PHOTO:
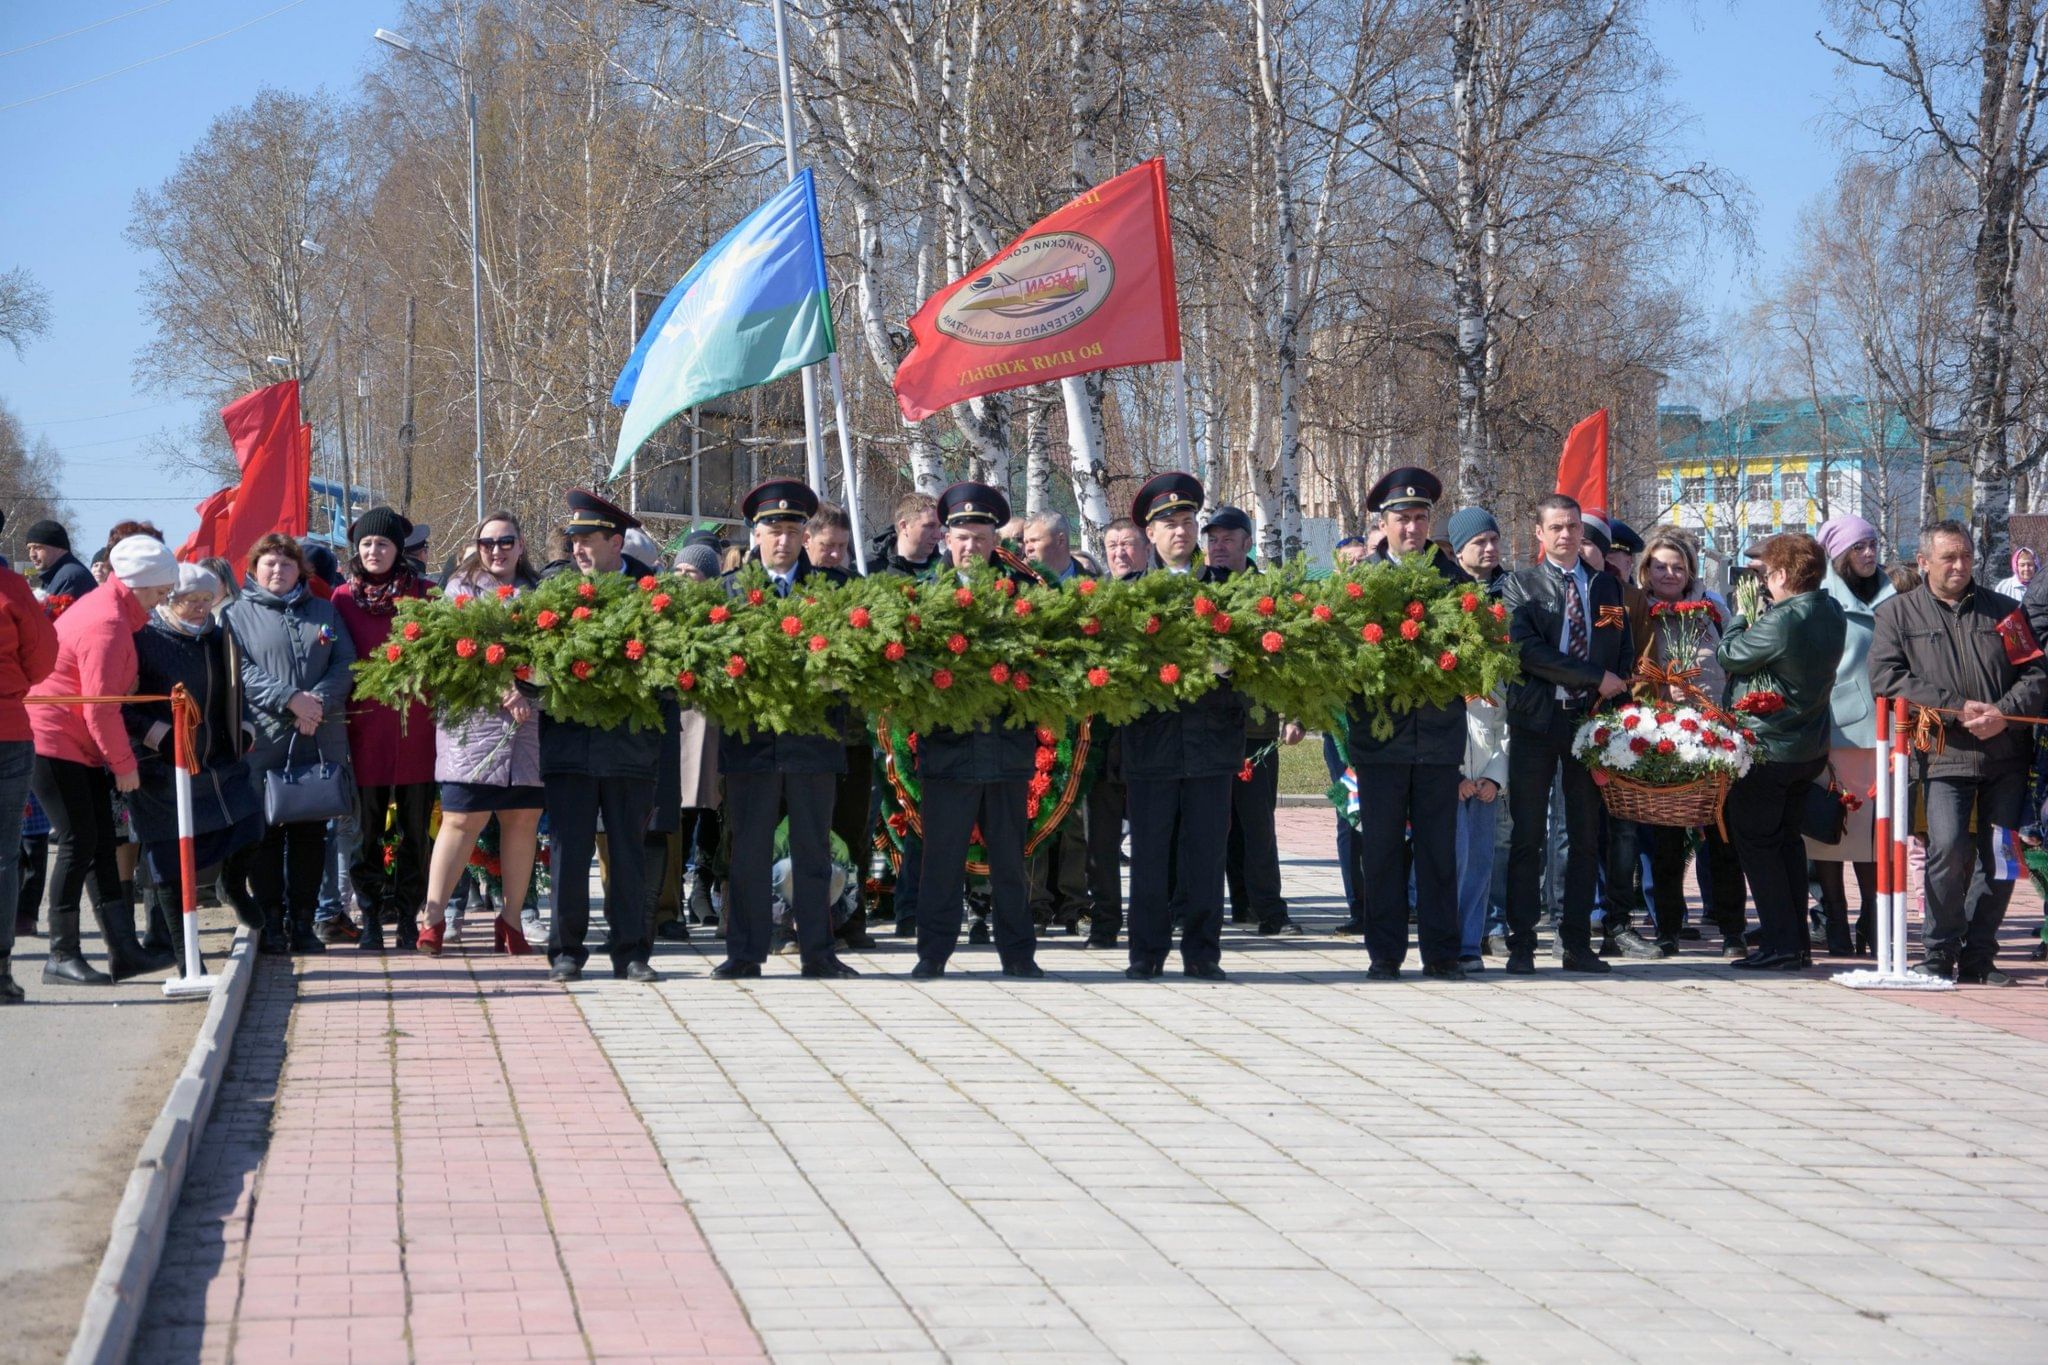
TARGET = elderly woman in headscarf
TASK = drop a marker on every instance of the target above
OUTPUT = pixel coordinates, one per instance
(2025, 563)
(184, 645)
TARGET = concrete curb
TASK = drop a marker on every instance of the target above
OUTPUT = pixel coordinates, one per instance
(113, 1307)
(1305, 799)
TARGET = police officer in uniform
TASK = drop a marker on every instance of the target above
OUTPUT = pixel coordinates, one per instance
(771, 774)
(976, 777)
(588, 772)
(1412, 775)
(1178, 766)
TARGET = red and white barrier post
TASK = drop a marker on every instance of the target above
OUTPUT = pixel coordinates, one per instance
(194, 982)
(1893, 826)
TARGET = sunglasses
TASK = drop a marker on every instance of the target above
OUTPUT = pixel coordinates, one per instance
(496, 542)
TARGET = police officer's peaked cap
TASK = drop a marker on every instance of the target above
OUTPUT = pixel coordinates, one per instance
(1163, 493)
(779, 500)
(588, 512)
(1408, 486)
(1624, 537)
(965, 504)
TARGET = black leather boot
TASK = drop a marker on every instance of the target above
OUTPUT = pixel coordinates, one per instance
(126, 956)
(304, 938)
(167, 923)
(66, 964)
(10, 993)
(276, 941)
(154, 939)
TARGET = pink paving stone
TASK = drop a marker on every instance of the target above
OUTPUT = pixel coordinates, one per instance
(415, 1198)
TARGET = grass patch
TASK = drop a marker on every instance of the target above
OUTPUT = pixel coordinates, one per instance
(1301, 768)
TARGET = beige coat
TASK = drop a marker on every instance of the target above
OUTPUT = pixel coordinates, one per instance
(700, 762)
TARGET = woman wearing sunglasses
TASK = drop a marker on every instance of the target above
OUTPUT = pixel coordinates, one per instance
(488, 763)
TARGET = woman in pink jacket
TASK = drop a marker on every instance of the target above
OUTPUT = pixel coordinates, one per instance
(83, 758)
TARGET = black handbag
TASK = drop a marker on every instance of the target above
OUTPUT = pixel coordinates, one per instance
(318, 791)
(1823, 818)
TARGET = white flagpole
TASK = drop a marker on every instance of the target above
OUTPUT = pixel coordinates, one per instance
(1180, 417)
(814, 451)
(860, 549)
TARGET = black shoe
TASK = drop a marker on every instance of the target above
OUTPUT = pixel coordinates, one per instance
(1443, 971)
(1204, 971)
(857, 940)
(730, 970)
(371, 940)
(1494, 945)
(906, 928)
(1763, 960)
(1101, 941)
(1285, 928)
(1579, 960)
(1988, 976)
(1144, 971)
(1521, 964)
(1240, 916)
(977, 932)
(1350, 927)
(73, 971)
(1689, 934)
(927, 969)
(340, 929)
(275, 944)
(11, 992)
(1381, 972)
(829, 966)
(306, 943)
(565, 971)
(673, 931)
(2038, 953)
(636, 971)
(1632, 944)
(1024, 969)
(1935, 967)
(1735, 948)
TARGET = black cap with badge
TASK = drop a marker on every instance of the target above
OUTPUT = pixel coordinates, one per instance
(968, 504)
(1408, 486)
(589, 513)
(778, 500)
(1164, 493)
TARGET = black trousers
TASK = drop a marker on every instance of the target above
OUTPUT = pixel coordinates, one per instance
(574, 802)
(1106, 800)
(1059, 870)
(1763, 812)
(1721, 888)
(284, 869)
(403, 887)
(754, 806)
(1252, 861)
(853, 807)
(79, 800)
(1180, 832)
(1621, 892)
(1535, 758)
(1965, 903)
(951, 810)
(1397, 799)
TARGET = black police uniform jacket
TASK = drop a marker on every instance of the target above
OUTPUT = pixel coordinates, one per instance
(1203, 738)
(996, 752)
(571, 748)
(1427, 734)
(1535, 601)
(765, 751)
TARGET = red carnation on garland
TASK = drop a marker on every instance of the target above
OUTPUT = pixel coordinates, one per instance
(1045, 734)
(494, 655)
(1091, 626)
(462, 599)
(1639, 745)
(686, 680)
(1321, 612)
(1272, 642)
(1203, 606)
(1267, 606)
(754, 597)
(1354, 590)
(1665, 717)
(1220, 623)
(957, 643)
(719, 615)
(1665, 746)
(505, 590)
(659, 601)
(1469, 602)
(1086, 587)
(1022, 682)
(1098, 677)
(1631, 721)
(524, 673)
(586, 590)
(580, 670)
(893, 651)
(393, 653)
(1023, 607)
(1040, 785)
(999, 674)
(411, 631)
(635, 650)
(858, 618)
(735, 666)
(1689, 725)
(912, 621)
(580, 614)
(1169, 674)
(1006, 587)
(791, 625)
(1297, 597)
(647, 583)
(1602, 735)
(1371, 633)
(942, 679)
(963, 597)
(1410, 629)
(1416, 610)
(1447, 661)
(465, 648)
(819, 644)
(1499, 610)
(1151, 625)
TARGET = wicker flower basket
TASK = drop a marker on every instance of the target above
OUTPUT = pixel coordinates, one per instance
(1685, 805)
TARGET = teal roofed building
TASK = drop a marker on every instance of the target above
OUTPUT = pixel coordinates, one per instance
(1790, 464)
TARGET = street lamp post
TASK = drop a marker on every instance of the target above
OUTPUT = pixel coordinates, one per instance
(476, 293)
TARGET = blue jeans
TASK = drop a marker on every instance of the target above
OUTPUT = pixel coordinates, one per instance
(17, 757)
(338, 852)
(1476, 822)
(1347, 836)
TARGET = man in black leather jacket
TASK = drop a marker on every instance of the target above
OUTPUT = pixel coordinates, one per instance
(1576, 652)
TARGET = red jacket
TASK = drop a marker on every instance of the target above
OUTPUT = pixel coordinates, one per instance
(28, 651)
(382, 753)
(95, 658)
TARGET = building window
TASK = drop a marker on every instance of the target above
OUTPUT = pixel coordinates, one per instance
(1692, 490)
(1795, 488)
(1724, 488)
(1759, 487)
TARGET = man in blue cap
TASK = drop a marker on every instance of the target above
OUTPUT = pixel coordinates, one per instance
(1178, 767)
(768, 775)
(976, 777)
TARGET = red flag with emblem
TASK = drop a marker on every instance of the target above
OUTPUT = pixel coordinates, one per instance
(1582, 467)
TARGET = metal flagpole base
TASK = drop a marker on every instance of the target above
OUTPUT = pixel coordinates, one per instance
(190, 987)
(1870, 979)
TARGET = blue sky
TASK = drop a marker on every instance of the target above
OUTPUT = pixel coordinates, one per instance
(1754, 79)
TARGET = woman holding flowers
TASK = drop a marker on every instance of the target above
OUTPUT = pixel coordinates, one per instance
(1678, 668)
(488, 762)
(1781, 668)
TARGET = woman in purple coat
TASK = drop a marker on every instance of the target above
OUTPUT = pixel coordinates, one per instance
(390, 754)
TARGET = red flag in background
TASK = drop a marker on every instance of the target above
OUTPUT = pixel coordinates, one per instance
(275, 451)
(1088, 287)
(1582, 468)
(213, 515)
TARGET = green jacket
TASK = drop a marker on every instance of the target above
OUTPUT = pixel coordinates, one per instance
(1799, 643)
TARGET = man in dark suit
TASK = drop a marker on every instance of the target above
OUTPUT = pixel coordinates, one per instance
(588, 772)
(1409, 780)
(976, 777)
(769, 774)
(1178, 767)
(1572, 629)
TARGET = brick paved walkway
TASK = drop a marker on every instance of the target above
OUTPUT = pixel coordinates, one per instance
(1667, 1164)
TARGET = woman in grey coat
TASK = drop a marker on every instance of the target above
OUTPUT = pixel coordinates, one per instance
(295, 657)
